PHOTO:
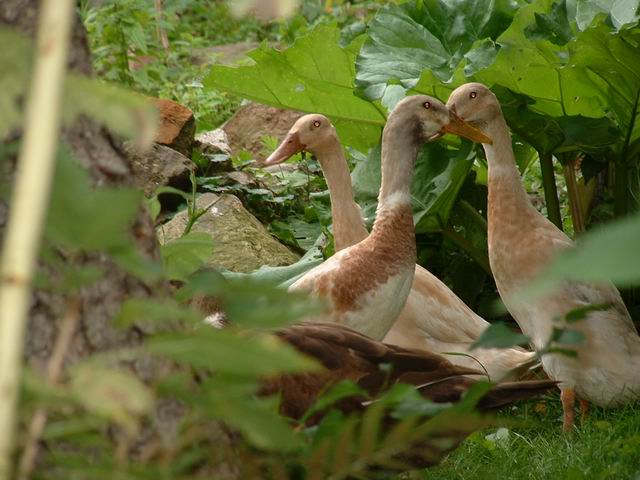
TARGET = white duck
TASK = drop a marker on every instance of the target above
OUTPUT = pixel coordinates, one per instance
(367, 282)
(606, 370)
(433, 318)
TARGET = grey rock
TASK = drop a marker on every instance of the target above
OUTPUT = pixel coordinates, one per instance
(158, 166)
(243, 178)
(213, 142)
(242, 243)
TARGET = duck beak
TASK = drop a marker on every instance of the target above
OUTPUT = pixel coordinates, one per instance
(459, 127)
(288, 148)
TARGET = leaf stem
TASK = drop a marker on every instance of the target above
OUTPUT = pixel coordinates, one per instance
(28, 207)
(550, 190)
(577, 215)
(620, 190)
(476, 216)
(465, 245)
(621, 182)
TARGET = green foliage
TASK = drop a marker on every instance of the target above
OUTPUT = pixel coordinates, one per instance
(314, 75)
(439, 38)
(525, 50)
(126, 49)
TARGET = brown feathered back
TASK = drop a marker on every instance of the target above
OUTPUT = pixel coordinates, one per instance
(375, 366)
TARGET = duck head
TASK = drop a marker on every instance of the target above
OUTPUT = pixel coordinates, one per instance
(311, 133)
(474, 104)
(432, 119)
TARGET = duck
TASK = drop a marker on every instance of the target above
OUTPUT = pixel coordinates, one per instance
(433, 318)
(366, 284)
(375, 367)
(522, 242)
(347, 354)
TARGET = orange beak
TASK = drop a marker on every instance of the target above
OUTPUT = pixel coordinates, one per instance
(459, 127)
(288, 148)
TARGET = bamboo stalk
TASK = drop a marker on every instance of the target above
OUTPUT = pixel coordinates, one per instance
(550, 190)
(28, 204)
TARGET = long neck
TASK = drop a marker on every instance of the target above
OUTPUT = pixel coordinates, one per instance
(399, 151)
(348, 225)
(506, 191)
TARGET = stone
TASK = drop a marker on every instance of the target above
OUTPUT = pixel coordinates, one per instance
(243, 178)
(213, 142)
(242, 243)
(214, 146)
(254, 121)
(177, 126)
(159, 166)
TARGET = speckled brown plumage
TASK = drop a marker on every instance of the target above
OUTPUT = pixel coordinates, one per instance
(349, 355)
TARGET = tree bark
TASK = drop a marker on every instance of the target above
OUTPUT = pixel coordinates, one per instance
(102, 156)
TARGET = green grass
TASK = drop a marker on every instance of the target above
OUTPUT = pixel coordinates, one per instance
(605, 446)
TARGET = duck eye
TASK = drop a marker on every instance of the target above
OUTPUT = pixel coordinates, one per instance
(427, 105)
(473, 94)
(316, 123)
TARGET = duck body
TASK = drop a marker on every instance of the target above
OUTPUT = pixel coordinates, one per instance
(606, 370)
(367, 284)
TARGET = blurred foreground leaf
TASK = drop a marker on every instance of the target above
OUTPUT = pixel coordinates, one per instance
(184, 255)
(498, 335)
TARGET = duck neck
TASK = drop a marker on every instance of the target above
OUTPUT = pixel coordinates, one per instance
(399, 151)
(506, 191)
(348, 225)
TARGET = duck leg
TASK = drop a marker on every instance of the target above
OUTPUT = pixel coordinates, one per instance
(568, 397)
(584, 409)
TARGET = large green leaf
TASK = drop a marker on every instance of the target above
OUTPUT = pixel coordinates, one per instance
(555, 134)
(595, 74)
(605, 67)
(314, 75)
(437, 36)
(439, 175)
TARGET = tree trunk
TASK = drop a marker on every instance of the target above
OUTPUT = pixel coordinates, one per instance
(97, 151)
